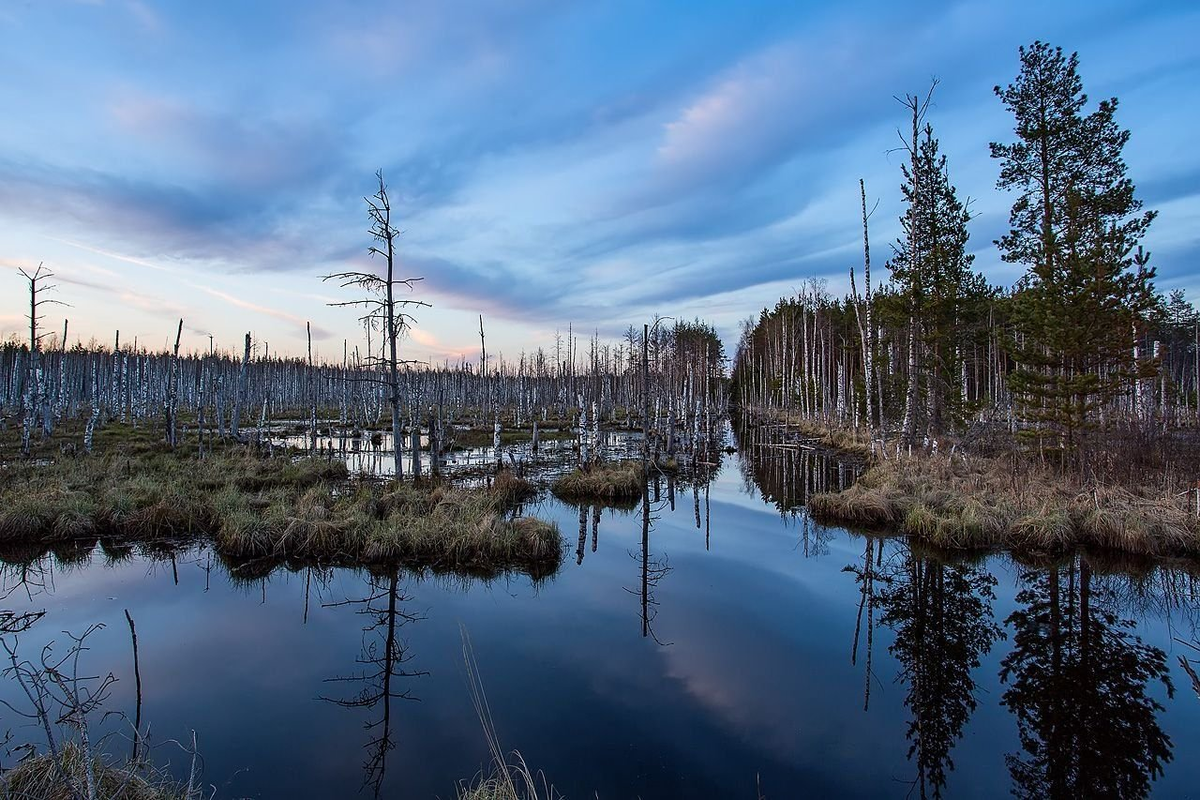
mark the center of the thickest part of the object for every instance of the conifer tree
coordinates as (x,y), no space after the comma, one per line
(932,271)
(1075,225)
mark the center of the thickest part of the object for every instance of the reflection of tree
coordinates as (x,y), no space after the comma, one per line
(1078,683)
(942,618)
(865,576)
(28,579)
(785,470)
(382,660)
(653,570)
(1187,666)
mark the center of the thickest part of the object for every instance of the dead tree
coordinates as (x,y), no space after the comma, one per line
(383,311)
(35,399)
(172,404)
(240,400)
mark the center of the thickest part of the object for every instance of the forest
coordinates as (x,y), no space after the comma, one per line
(1081,376)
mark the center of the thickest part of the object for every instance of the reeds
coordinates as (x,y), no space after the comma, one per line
(509,777)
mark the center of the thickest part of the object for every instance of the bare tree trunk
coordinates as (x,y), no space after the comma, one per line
(869,342)
(89,432)
(312,395)
(173,389)
(240,400)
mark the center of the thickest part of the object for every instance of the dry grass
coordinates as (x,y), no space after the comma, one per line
(978,504)
(604,481)
(254,507)
(509,489)
(509,778)
(39,777)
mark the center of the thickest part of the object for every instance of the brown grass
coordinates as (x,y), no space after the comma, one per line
(254,507)
(509,489)
(978,504)
(604,481)
(40,777)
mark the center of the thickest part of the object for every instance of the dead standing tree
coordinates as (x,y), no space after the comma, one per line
(383,311)
(35,397)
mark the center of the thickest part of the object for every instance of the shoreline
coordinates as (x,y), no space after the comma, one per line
(252,507)
(969,502)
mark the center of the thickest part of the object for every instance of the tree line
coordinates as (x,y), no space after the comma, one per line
(665,377)
(1082,341)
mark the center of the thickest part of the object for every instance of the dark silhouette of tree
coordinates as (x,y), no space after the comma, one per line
(382,660)
(1078,682)
(943,623)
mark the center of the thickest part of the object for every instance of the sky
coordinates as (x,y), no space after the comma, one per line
(550,163)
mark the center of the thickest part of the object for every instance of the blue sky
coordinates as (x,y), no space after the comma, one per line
(551,162)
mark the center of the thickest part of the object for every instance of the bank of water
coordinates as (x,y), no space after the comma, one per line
(736,647)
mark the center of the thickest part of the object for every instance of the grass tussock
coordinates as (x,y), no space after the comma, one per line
(40,777)
(604,481)
(956,504)
(254,507)
(509,489)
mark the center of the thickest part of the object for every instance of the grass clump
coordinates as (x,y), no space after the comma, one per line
(959,505)
(254,507)
(509,489)
(603,481)
(40,777)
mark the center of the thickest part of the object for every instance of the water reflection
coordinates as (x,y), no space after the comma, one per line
(785,469)
(977,678)
(941,615)
(382,674)
(1078,683)
(653,569)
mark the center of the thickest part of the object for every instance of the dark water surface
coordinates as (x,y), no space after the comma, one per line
(744,647)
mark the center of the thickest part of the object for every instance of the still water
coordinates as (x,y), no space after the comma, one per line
(737,650)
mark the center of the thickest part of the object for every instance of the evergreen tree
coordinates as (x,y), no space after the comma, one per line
(1075,225)
(932,270)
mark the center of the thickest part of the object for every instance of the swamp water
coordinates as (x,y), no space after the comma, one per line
(737,649)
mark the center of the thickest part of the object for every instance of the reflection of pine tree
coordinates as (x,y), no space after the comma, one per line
(942,617)
(1077,684)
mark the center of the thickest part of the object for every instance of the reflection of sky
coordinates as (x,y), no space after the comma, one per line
(756,678)
(550,162)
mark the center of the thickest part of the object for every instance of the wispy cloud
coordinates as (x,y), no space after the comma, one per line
(549,162)
(302,324)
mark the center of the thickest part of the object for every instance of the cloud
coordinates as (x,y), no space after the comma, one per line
(218,224)
(255,152)
(549,162)
(302,325)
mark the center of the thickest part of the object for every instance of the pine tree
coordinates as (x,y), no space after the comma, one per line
(1074,225)
(932,270)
